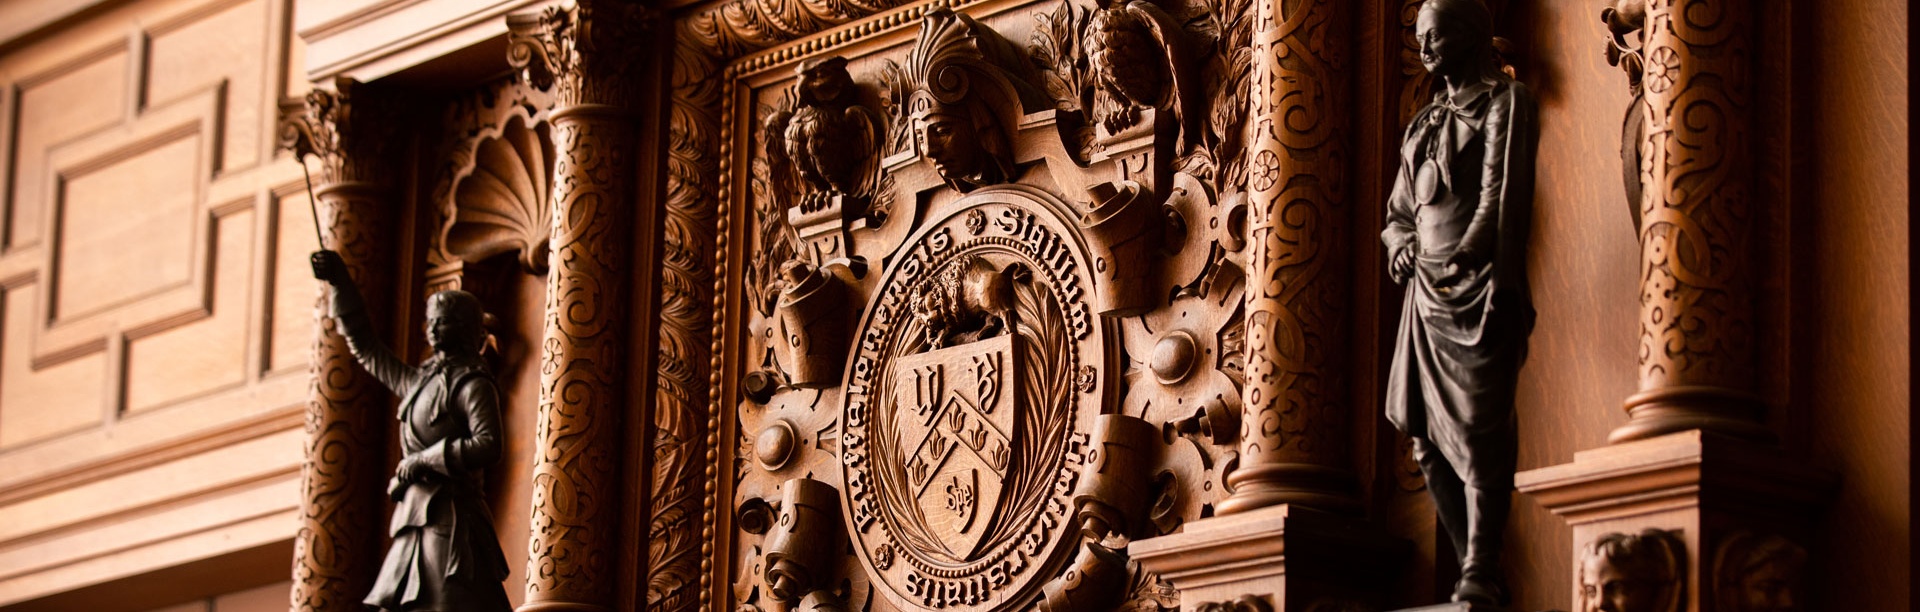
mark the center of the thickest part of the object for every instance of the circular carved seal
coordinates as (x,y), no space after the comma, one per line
(964,425)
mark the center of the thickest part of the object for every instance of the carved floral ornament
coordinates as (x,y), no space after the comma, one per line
(950,248)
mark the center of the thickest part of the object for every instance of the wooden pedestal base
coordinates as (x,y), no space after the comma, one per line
(1730,518)
(1281,558)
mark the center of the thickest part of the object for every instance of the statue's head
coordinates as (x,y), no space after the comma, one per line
(1455,37)
(824,80)
(456,324)
(1631,573)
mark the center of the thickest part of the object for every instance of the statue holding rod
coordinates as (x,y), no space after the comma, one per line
(1456,235)
(445,555)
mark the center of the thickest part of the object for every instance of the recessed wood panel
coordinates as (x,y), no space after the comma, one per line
(208,354)
(37,404)
(226,46)
(69,103)
(242,462)
(294,290)
(127,229)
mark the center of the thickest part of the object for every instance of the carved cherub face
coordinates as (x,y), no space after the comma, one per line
(1607,586)
(454,323)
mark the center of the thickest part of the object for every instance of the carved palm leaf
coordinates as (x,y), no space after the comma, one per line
(504,203)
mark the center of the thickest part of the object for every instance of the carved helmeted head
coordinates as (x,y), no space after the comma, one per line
(456,324)
(968,92)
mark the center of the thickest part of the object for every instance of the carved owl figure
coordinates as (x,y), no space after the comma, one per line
(828,142)
(1132,50)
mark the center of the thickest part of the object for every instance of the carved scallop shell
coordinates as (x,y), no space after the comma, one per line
(505,203)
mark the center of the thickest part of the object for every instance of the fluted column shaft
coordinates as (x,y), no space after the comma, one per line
(1697,353)
(343,477)
(581,52)
(1292,434)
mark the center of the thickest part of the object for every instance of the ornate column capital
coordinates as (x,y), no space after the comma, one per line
(582,50)
(349,127)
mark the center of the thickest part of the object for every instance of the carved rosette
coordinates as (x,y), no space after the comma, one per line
(1696,314)
(1296,184)
(337,549)
(960,457)
(582,51)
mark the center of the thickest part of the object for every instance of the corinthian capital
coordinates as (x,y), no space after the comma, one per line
(350,128)
(583,50)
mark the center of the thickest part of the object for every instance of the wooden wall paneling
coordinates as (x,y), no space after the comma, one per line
(40,403)
(88,94)
(1583,273)
(224,41)
(1852,297)
(177,364)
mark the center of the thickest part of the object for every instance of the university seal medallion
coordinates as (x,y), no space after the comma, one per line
(977,372)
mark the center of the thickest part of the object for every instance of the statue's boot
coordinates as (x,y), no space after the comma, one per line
(1449,495)
(1480,576)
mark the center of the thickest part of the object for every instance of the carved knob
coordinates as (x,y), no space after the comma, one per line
(774,446)
(759,386)
(1173,356)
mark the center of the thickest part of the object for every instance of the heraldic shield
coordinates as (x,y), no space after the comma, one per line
(957,410)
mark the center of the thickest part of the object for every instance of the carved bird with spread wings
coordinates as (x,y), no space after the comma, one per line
(1136,52)
(828,145)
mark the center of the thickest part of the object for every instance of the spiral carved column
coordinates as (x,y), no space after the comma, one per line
(343,478)
(1294,426)
(580,52)
(1697,353)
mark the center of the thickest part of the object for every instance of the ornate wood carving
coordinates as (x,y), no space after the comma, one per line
(685,487)
(1292,435)
(1696,286)
(1755,572)
(337,549)
(1035,209)
(579,51)
(509,214)
(1644,572)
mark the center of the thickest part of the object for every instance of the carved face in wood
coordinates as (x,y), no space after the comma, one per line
(1759,573)
(1631,573)
(953,144)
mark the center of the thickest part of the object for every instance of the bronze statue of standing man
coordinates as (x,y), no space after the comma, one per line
(445,555)
(1457,237)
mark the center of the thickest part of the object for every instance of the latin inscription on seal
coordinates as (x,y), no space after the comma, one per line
(964,425)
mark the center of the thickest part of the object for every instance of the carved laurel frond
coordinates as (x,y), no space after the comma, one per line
(505,203)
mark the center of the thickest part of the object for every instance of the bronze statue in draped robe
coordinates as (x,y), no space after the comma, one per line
(1456,235)
(445,555)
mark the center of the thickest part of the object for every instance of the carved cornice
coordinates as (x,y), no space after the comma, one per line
(583,51)
(350,128)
